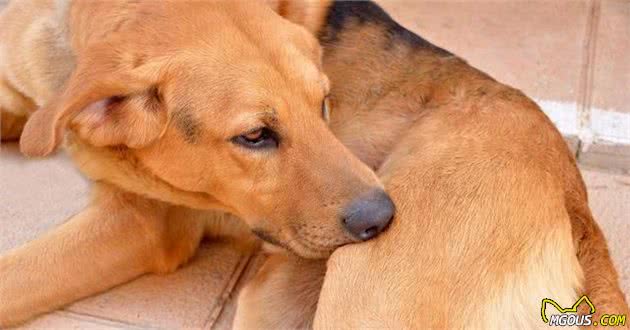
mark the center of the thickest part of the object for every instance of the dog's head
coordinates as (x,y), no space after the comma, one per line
(227,100)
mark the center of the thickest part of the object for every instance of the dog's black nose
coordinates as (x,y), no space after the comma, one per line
(369,214)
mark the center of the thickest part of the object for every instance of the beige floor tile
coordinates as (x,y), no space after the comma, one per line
(36,195)
(184,299)
(535,45)
(609,195)
(609,156)
(611,80)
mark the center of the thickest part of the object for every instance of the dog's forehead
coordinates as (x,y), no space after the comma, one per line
(285,80)
(306,68)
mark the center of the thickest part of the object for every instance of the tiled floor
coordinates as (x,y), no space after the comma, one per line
(570,55)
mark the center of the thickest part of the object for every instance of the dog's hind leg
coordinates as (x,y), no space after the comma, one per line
(118,237)
(283,295)
(601,282)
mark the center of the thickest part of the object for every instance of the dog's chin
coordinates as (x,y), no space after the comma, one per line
(297,246)
(298,251)
(309,252)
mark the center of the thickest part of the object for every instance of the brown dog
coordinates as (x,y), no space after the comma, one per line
(492,211)
(173,107)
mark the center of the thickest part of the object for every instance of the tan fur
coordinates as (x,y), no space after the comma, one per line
(286,288)
(150,96)
(492,213)
(309,14)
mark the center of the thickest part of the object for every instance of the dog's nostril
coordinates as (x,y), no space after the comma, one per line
(368,215)
(369,233)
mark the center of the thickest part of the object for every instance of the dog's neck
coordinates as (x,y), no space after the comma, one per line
(390,77)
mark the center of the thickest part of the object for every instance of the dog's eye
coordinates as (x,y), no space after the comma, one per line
(326,109)
(260,138)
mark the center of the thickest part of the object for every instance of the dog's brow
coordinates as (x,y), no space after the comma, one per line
(188,125)
(269,116)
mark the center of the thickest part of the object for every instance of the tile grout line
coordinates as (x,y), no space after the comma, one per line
(219,304)
(585,90)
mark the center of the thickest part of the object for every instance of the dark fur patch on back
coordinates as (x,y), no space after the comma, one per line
(342,13)
(188,125)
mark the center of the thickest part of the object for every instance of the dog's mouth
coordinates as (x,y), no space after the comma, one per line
(297,245)
(266,236)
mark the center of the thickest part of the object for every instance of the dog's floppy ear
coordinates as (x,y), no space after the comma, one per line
(310,14)
(107,100)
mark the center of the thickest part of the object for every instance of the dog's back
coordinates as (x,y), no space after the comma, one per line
(492,210)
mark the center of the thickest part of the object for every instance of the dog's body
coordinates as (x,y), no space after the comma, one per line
(492,212)
(178,111)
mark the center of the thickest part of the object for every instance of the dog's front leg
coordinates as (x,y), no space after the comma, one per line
(282,295)
(118,237)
